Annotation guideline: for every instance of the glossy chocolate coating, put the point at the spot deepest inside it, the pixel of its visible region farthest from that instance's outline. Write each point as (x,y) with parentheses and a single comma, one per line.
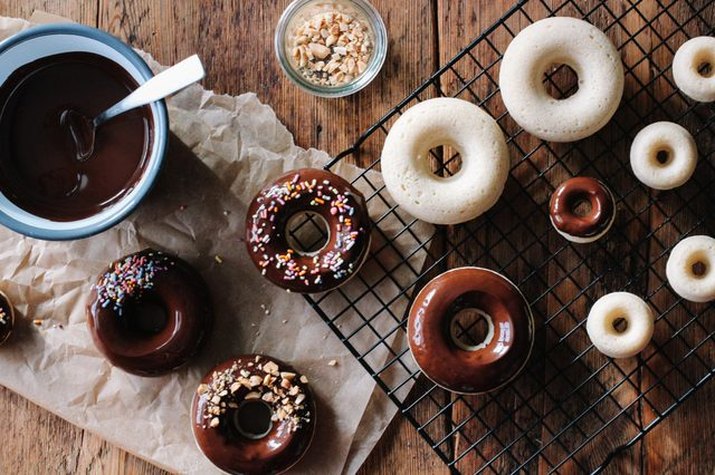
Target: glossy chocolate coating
(182,294)
(568,194)
(225,447)
(447,364)
(7,320)
(349,231)
(39,171)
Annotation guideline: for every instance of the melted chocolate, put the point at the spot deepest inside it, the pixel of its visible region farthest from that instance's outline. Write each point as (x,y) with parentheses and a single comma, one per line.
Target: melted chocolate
(569,194)
(39,170)
(149,313)
(226,447)
(7,318)
(449,365)
(326,194)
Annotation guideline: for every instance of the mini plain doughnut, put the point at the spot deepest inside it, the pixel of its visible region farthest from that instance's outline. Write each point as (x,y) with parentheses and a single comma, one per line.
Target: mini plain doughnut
(679,147)
(688,59)
(406,161)
(606,311)
(680,268)
(581,46)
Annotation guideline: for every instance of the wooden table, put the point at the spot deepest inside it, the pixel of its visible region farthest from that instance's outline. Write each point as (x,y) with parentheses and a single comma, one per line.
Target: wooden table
(234,38)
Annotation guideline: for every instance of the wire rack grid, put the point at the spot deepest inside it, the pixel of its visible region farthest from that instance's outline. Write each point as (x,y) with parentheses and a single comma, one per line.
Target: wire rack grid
(571,409)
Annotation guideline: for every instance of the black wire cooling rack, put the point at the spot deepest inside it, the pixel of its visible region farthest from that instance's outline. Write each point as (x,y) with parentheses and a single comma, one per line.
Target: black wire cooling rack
(571,409)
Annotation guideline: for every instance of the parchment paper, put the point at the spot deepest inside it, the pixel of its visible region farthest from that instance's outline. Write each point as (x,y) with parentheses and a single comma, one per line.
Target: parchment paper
(222,150)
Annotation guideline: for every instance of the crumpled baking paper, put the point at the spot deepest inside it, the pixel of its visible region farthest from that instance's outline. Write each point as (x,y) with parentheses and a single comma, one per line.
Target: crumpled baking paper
(222,150)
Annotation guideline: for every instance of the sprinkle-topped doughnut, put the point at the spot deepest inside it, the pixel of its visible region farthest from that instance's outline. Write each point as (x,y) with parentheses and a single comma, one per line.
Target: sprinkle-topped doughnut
(7,318)
(253,414)
(149,312)
(333,200)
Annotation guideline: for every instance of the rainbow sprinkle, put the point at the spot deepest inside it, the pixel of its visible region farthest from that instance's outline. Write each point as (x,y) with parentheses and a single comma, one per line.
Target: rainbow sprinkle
(319,194)
(129,278)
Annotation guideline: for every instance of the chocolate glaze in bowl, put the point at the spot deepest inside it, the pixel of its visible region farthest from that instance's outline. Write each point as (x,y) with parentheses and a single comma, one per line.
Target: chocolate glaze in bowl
(36,202)
(39,169)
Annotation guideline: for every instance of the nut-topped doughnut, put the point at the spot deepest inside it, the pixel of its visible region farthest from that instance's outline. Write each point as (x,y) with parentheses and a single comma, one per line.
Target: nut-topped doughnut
(587,227)
(318,192)
(253,414)
(433,330)
(149,312)
(7,318)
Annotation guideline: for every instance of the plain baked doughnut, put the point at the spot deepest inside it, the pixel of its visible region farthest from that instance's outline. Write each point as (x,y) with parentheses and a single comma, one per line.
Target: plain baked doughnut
(471,191)
(686,65)
(691,268)
(607,311)
(581,46)
(663,155)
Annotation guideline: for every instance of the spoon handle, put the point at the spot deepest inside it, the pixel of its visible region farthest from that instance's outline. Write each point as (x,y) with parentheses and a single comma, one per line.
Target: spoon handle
(167,82)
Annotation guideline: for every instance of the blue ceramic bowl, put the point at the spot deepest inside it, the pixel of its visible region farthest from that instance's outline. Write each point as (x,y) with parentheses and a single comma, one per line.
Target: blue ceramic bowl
(42,41)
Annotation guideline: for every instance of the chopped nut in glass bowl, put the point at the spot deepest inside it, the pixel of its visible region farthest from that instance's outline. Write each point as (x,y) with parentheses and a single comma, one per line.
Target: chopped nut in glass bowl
(331,48)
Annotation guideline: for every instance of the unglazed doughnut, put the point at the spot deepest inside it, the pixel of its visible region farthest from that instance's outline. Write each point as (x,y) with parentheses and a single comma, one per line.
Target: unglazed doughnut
(333,199)
(7,318)
(149,313)
(606,312)
(688,60)
(253,414)
(406,161)
(449,362)
(691,268)
(581,46)
(591,226)
(663,155)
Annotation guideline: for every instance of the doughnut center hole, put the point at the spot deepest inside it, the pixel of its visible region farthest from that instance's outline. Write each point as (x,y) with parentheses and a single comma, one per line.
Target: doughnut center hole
(699,269)
(582,207)
(560,81)
(662,157)
(445,161)
(705,69)
(307,233)
(146,317)
(252,419)
(471,329)
(620,324)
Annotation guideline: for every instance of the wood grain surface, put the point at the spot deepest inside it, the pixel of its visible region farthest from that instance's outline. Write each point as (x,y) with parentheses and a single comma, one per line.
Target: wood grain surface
(234,38)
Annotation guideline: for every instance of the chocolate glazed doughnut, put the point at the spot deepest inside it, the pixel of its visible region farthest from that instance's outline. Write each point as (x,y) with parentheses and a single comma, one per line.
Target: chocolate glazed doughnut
(594,224)
(335,201)
(149,313)
(7,318)
(445,359)
(253,414)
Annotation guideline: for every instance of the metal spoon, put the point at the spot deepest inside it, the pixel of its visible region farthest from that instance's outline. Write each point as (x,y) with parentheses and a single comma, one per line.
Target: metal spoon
(83,129)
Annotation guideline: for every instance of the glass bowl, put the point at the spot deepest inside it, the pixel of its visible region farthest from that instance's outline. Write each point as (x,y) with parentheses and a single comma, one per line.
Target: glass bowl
(300,12)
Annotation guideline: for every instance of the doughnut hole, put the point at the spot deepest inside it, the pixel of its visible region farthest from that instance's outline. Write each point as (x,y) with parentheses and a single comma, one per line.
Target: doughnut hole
(560,81)
(580,205)
(698,266)
(620,324)
(663,156)
(146,317)
(252,419)
(705,68)
(471,329)
(445,161)
(307,233)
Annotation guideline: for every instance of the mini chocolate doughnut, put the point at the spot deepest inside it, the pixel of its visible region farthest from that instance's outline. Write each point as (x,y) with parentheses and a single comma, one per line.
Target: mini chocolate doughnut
(332,199)
(253,414)
(149,313)
(593,225)
(7,318)
(435,345)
